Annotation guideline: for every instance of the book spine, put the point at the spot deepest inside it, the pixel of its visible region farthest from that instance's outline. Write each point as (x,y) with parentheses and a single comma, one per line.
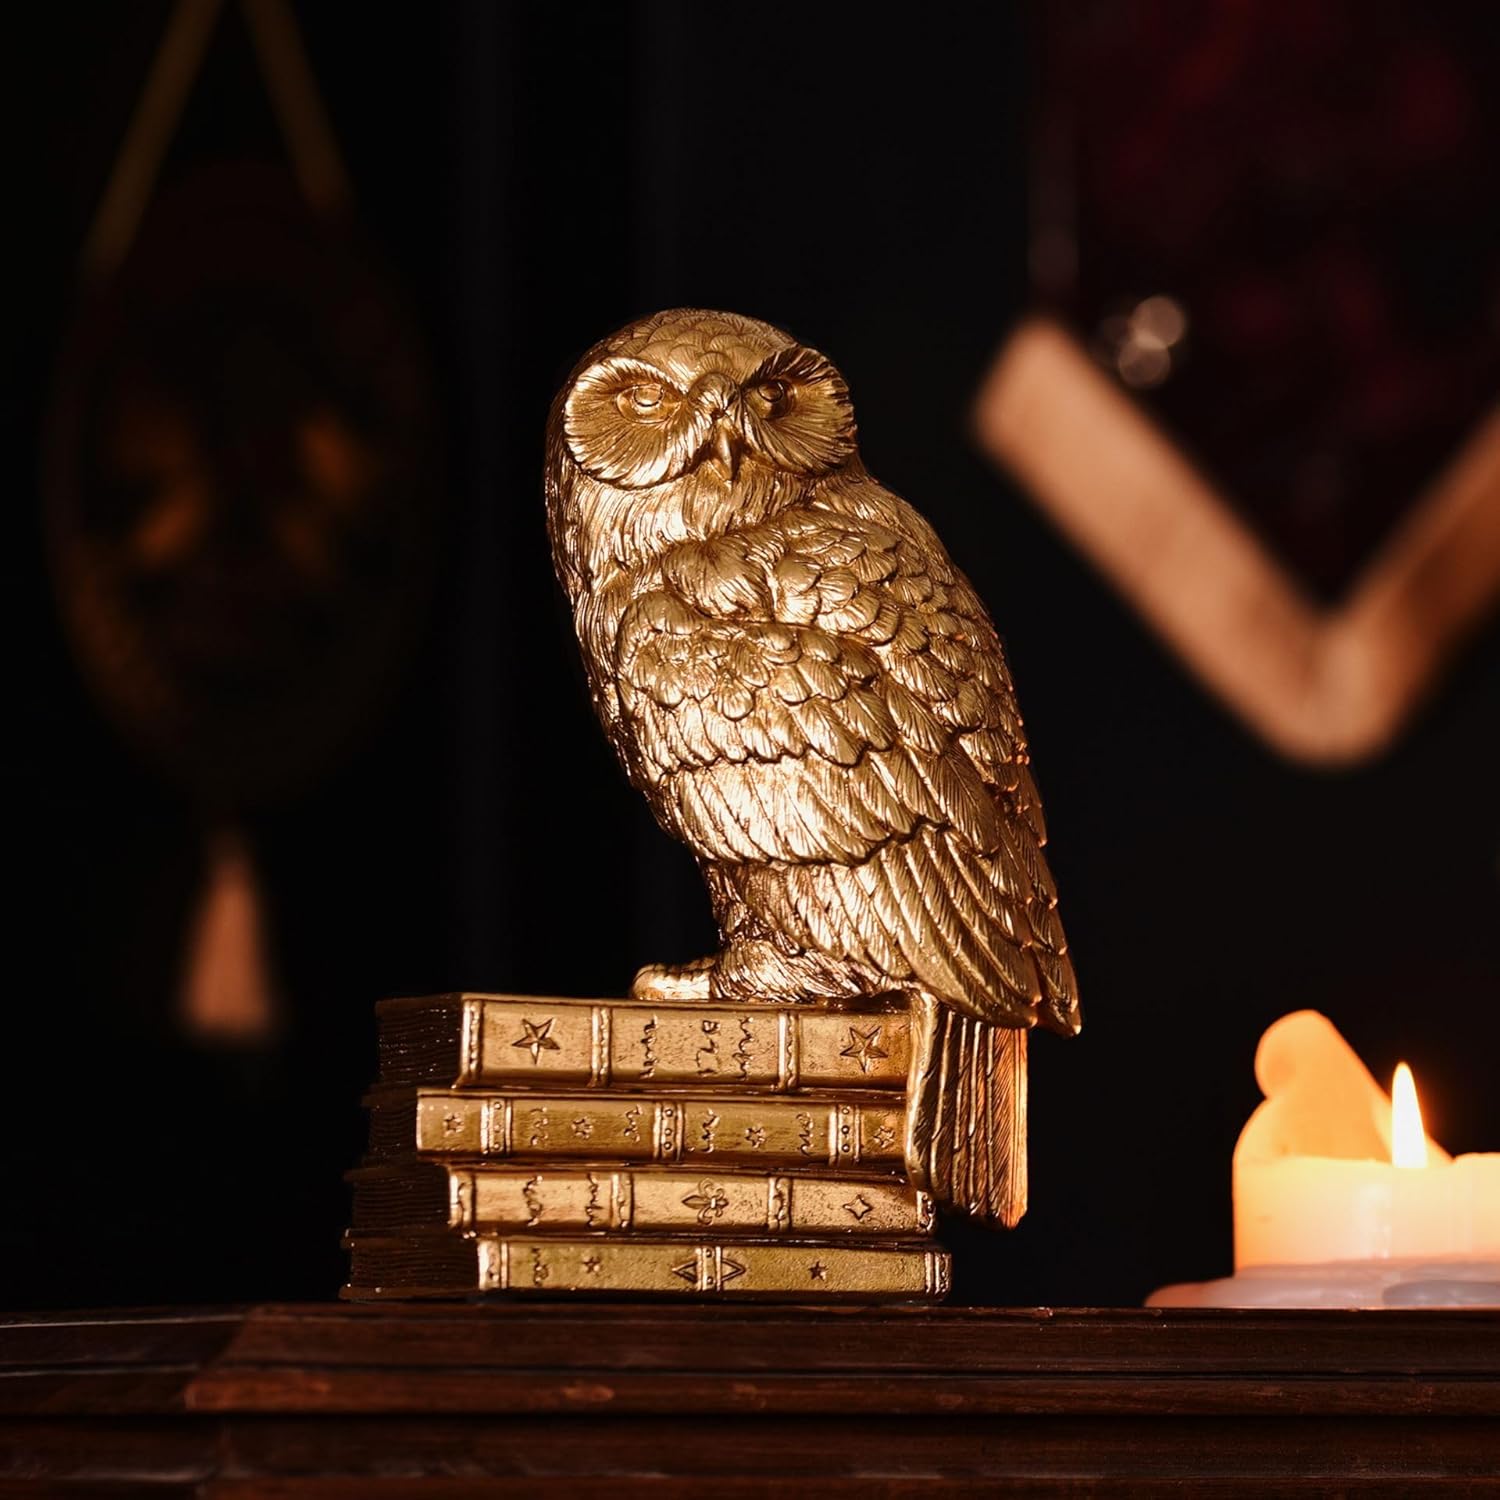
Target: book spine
(642,1267)
(746,1131)
(630,1043)
(618,1202)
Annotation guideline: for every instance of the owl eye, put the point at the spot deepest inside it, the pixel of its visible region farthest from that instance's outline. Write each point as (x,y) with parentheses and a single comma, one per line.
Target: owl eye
(774,395)
(647,400)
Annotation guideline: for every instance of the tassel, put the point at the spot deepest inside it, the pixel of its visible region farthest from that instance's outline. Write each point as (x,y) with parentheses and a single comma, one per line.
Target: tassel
(227,990)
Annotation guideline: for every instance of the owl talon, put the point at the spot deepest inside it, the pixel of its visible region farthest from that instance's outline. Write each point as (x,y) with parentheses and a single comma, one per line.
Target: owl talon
(673,981)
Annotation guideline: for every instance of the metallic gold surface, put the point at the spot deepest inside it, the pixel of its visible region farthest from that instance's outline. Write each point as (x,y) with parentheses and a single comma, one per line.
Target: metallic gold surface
(467,1040)
(813,699)
(431,1196)
(450,1265)
(744,1130)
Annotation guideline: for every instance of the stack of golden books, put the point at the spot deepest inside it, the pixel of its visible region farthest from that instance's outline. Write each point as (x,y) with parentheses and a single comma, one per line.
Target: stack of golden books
(631,1148)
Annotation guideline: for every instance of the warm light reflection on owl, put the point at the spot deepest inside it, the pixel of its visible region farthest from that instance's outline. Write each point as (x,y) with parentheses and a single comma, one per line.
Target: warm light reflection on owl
(813,699)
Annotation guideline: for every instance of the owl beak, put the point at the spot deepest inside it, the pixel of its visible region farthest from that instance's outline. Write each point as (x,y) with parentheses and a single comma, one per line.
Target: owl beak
(726,446)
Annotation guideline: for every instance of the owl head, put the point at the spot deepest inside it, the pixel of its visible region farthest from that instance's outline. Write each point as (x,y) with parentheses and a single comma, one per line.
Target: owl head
(688,388)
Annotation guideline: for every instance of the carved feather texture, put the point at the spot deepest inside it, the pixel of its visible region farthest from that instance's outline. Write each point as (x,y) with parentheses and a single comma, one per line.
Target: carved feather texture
(813,699)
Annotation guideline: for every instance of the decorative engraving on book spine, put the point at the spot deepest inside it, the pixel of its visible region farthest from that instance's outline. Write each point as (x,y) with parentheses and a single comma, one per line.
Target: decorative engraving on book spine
(708,1202)
(844,1127)
(531,1192)
(926,1212)
(590,1264)
(706,1132)
(494,1265)
(600,1026)
(540,1270)
(937,1270)
(755,1136)
(536,1038)
(583,1127)
(691,1271)
(706,1058)
(497,1127)
(631,1126)
(538,1128)
(804,1133)
(461,1199)
(648,1049)
(864,1047)
(725,1269)
(471,1040)
(744,1051)
(779,1204)
(788,1035)
(859,1208)
(668,1132)
(622,1187)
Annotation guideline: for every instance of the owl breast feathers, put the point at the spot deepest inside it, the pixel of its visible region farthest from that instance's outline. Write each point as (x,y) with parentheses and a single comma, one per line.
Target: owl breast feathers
(807,691)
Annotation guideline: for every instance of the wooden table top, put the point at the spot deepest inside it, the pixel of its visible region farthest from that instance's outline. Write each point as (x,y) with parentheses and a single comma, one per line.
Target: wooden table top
(559,1397)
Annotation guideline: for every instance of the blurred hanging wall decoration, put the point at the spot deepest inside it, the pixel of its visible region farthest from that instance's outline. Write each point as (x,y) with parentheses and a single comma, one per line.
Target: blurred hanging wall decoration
(1268,252)
(239,492)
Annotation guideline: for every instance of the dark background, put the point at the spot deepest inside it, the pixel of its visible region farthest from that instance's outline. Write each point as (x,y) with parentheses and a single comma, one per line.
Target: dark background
(531,177)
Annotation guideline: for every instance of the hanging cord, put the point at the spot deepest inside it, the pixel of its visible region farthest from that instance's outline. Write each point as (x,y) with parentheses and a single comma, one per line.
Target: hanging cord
(295,102)
(288,75)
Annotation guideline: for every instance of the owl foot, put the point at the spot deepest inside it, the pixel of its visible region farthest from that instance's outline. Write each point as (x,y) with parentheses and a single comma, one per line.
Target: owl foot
(754,969)
(674,981)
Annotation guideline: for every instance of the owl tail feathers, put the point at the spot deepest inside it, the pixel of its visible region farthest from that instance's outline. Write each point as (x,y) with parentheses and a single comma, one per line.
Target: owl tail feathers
(966,1113)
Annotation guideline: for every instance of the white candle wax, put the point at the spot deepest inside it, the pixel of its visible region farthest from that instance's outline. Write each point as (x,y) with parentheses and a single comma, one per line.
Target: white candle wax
(1300,1210)
(1314,1179)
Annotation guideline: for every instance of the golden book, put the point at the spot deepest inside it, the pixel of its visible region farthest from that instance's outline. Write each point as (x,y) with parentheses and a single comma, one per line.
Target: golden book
(450,1265)
(431,1195)
(467,1040)
(745,1130)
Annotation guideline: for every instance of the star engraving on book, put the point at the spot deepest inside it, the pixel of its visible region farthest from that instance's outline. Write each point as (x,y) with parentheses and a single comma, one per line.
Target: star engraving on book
(883,1137)
(755,1135)
(818,1271)
(860,1209)
(536,1038)
(452,1124)
(708,1202)
(864,1047)
(583,1127)
(591,1264)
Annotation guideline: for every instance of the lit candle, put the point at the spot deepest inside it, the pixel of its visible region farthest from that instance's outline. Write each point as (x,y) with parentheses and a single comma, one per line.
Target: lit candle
(1326,1170)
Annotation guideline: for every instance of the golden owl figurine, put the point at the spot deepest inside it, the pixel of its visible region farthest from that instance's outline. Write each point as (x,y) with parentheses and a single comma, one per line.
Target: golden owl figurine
(813,699)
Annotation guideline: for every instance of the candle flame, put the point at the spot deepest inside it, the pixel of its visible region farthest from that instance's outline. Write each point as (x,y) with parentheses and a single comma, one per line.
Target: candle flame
(1408,1136)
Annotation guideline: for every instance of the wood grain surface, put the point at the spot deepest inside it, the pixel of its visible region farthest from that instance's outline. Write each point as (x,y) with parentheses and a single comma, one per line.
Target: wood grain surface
(550,1399)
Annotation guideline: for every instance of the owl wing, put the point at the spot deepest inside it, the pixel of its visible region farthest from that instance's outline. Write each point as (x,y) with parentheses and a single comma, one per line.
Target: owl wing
(825,698)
